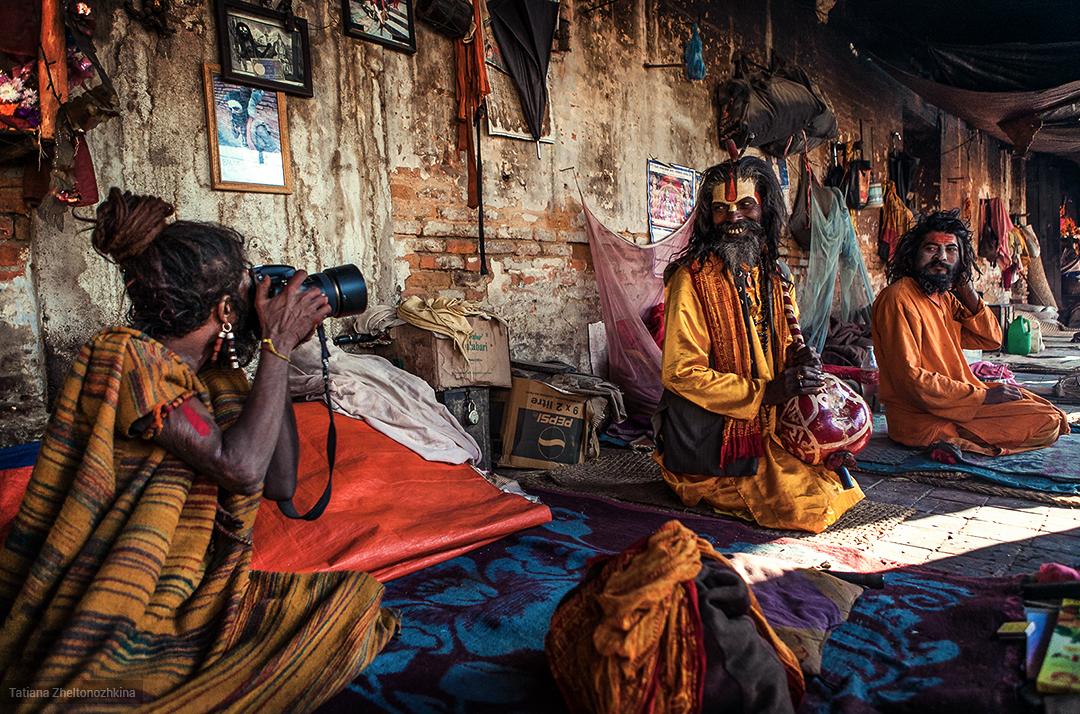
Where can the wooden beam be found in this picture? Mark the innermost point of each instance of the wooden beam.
(52, 65)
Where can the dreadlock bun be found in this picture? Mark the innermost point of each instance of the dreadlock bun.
(127, 224)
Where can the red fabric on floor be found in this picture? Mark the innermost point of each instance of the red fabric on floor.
(12, 487)
(392, 512)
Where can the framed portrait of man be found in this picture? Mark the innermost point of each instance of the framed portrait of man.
(248, 136)
(264, 48)
(385, 22)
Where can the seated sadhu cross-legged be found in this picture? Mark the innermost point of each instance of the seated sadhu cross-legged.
(728, 363)
(127, 571)
(922, 321)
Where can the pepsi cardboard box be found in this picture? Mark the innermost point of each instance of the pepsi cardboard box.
(543, 427)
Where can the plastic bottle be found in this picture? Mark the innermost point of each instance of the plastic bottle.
(870, 388)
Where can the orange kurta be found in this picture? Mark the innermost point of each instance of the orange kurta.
(930, 392)
(785, 492)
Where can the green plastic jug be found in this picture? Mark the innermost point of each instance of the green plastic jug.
(1018, 338)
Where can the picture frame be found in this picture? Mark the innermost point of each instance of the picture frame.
(392, 26)
(264, 48)
(248, 134)
(671, 191)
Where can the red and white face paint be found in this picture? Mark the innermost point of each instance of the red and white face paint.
(735, 201)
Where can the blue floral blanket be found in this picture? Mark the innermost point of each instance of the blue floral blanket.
(1055, 469)
(472, 637)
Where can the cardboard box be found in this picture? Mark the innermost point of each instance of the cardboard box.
(436, 359)
(543, 427)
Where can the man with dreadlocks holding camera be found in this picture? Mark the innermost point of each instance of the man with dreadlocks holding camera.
(728, 363)
(922, 323)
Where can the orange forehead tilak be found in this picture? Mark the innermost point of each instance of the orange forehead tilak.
(733, 191)
(941, 239)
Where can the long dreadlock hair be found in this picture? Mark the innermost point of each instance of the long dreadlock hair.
(904, 261)
(773, 211)
(174, 273)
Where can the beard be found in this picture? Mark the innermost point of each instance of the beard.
(739, 243)
(936, 283)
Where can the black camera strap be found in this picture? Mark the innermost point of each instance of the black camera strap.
(287, 506)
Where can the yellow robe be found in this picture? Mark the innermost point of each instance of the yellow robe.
(930, 392)
(785, 492)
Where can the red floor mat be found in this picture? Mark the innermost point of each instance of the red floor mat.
(391, 513)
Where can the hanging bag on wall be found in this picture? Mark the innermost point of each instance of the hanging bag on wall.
(799, 223)
(450, 18)
(856, 186)
(776, 108)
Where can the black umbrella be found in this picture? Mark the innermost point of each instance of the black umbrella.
(525, 30)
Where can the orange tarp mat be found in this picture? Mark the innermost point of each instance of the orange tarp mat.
(391, 512)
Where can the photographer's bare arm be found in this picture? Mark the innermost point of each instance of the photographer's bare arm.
(240, 458)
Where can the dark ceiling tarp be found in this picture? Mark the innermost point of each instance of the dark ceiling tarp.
(1011, 69)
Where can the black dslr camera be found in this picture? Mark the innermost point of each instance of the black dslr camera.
(346, 290)
(342, 285)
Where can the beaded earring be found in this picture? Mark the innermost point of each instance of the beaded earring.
(227, 339)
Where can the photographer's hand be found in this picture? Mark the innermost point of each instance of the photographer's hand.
(290, 317)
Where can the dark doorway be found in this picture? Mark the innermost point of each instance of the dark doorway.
(1051, 183)
(922, 140)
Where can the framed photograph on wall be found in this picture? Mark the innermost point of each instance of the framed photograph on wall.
(263, 48)
(248, 136)
(671, 192)
(386, 22)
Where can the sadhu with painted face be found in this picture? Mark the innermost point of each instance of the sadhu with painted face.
(727, 352)
(922, 321)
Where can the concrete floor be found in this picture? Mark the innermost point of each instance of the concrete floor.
(971, 534)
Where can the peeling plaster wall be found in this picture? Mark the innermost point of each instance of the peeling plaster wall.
(338, 211)
(377, 179)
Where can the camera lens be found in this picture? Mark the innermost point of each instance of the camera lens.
(344, 287)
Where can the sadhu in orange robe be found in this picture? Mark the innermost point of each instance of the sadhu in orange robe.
(931, 394)
(785, 492)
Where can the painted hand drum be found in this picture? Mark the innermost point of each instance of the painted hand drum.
(813, 427)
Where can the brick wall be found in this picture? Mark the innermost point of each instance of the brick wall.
(437, 239)
(22, 381)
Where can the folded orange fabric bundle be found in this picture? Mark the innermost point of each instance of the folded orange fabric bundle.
(631, 637)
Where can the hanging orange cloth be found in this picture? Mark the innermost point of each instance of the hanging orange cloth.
(472, 88)
(896, 220)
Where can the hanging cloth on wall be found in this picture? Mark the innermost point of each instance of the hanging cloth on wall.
(993, 236)
(896, 220)
(472, 87)
(630, 280)
(525, 30)
(902, 169)
(834, 251)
